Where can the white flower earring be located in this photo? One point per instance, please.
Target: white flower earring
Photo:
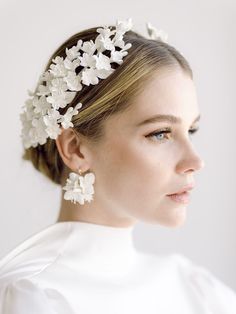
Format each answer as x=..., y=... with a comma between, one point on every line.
x=79, y=188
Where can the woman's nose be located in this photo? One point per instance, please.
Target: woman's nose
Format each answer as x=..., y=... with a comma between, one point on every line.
x=190, y=160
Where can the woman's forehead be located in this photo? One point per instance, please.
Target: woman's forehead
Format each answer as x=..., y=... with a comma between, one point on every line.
x=170, y=93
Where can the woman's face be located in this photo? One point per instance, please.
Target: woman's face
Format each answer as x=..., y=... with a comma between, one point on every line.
x=134, y=169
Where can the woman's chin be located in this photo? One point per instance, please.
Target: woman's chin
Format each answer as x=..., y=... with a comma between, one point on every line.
x=179, y=217
x=176, y=217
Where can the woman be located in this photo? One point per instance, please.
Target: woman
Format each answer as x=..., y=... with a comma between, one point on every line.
x=111, y=121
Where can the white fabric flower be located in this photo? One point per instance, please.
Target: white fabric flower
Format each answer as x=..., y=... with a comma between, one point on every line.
x=79, y=188
x=71, y=65
x=73, y=81
x=156, y=34
x=73, y=190
x=58, y=84
x=89, y=47
x=89, y=76
x=50, y=120
x=105, y=32
x=72, y=53
x=65, y=120
x=86, y=184
x=46, y=77
x=43, y=90
x=58, y=69
x=104, y=43
x=102, y=62
x=41, y=105
x=38, y=132
x=117, y=56
x=30, y=105
x=124, y=26
x=60, y=99
x=87, y=60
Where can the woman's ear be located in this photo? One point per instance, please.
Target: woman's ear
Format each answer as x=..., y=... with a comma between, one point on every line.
x=72, y=149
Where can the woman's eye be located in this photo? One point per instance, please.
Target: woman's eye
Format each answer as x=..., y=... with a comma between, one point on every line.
x=192, y=131
x=160, y=135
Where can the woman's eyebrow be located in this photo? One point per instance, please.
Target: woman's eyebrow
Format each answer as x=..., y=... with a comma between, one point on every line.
x=165, y=118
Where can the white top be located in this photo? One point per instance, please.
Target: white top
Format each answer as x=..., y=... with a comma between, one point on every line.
x=85, y=268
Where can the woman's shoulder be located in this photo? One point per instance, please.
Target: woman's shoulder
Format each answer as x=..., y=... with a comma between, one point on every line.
x=20, y=289
x=207, y=287
x=24, y=296
x=34, y=253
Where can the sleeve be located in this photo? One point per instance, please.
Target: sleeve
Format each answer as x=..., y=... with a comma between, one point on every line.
x=217, y=297
x=25, y=297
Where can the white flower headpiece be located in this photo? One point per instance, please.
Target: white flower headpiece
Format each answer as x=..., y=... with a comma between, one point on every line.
x=57, y=87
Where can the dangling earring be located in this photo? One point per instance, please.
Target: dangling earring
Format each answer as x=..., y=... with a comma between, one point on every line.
x=78, y=188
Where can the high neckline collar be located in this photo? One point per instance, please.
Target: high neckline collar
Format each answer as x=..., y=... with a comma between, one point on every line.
x=84, y=224
x=99, y=249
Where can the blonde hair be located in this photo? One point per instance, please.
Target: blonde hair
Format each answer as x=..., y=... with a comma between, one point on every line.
x=110, y=96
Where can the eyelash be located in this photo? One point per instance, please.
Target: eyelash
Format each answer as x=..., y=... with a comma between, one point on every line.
x=167, y=131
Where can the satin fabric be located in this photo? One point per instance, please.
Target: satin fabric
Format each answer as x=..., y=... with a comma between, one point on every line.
x=85, y=268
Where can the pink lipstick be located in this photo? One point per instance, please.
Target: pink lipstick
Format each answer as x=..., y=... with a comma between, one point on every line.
x=182, y=196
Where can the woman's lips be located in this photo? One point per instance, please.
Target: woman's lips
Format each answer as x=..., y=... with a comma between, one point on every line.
x=180, y=198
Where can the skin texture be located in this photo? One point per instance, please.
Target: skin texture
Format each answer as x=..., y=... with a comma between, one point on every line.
x=133, y=172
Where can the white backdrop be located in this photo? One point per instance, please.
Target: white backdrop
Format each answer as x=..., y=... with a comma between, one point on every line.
x=205, y=32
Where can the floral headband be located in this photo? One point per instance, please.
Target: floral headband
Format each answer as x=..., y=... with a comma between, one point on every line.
x=58, y=86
